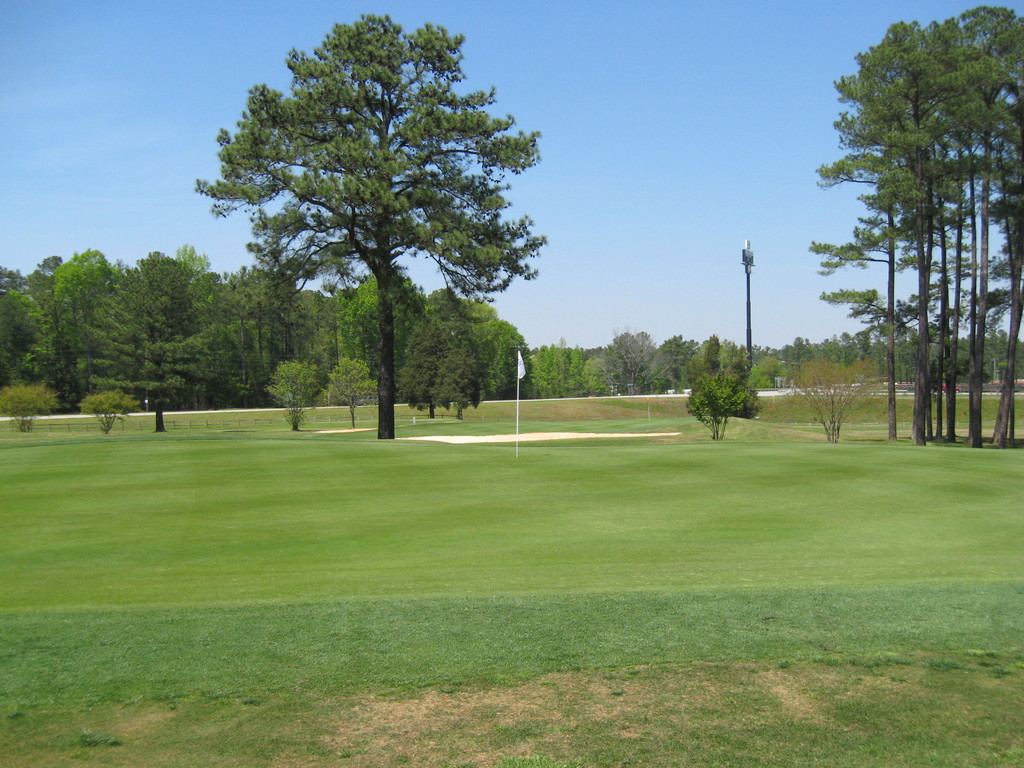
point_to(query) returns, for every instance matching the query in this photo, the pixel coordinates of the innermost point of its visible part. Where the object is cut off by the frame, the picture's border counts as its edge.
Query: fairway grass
(283, 599)
(229, 519)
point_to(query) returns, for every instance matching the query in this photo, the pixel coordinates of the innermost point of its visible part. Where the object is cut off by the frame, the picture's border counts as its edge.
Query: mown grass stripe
(82, 656)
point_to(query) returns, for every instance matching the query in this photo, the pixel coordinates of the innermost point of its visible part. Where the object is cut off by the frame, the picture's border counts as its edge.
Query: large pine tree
(377, 156)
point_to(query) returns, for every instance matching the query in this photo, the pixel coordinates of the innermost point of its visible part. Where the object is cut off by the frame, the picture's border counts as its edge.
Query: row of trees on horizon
(169, 329)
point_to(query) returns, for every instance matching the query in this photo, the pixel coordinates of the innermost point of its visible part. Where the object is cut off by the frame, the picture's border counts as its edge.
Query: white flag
(521, 370)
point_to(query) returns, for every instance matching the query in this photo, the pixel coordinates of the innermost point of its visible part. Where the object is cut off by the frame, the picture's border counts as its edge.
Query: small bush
(108, 407)
(295, 386)
(25, 402)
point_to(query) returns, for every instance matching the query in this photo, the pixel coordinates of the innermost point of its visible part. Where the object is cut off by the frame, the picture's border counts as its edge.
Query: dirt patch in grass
(742, 714)
(565, 715)
(795, 697)
(699, 715)
(482, 727)
(437, 728)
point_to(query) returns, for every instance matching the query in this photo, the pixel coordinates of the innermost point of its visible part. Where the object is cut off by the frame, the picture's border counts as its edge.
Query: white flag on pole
(520, 372)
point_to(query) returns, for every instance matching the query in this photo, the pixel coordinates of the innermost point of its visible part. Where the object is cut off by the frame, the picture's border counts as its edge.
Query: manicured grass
(344, 647)
(215, 598)
(233, 519)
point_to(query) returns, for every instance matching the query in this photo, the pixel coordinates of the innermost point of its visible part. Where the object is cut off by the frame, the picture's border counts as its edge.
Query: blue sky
(671, 132)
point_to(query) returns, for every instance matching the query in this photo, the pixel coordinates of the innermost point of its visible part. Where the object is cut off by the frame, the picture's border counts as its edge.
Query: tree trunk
(954, 341)
(1003, 434)
(244, 367)
(1004, 419)
(890, 319)
(979, 305)
(386, 351)
(158, 407)
(922, 390)
(943, 329)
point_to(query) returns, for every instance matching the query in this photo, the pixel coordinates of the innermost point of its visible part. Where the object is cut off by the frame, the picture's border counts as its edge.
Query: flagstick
(517, 416)
(520, 372)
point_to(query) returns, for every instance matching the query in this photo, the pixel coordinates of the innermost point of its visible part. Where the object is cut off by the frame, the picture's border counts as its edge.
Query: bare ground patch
(565, 715)
(707, 714)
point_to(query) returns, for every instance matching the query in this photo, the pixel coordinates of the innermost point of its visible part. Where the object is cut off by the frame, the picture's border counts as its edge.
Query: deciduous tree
(632, 363)
(17, 329)
(82, 284)
(676, 353)
(108, 407)
(359, 321)
(715, 399)
(443, 365)
(295, 386)
(54, 355)
(562, 371)
(832, 390)
(26, 402)
(875, 242)
(350, 383)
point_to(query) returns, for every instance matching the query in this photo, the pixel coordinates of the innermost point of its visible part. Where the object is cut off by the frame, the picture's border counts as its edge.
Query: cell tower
(748, 266)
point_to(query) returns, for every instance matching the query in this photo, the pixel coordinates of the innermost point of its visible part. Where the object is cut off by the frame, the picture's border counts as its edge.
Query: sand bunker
(533, 437)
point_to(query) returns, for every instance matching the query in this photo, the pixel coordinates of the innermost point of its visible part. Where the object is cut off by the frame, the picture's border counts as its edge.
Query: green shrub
(108, 407)
(295, 386)
(24, 402)
(716, 398)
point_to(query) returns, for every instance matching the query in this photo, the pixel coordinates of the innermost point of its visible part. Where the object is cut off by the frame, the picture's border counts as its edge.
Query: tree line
(178, 335)
(934, 133)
